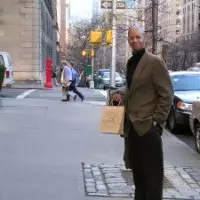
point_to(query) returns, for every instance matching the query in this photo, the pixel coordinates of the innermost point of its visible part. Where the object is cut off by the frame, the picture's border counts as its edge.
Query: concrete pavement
(55, 94)
(53, 150)
(91, 95)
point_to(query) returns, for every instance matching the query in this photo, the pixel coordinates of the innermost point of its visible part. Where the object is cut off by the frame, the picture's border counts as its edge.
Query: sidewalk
(54, 150)
(91, 95)
(182, 174)
(25, 85)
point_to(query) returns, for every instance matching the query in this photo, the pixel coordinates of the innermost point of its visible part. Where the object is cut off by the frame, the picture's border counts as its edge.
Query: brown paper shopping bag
(112, 121)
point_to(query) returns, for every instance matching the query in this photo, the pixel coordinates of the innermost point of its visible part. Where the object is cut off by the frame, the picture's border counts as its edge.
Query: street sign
(107, 4)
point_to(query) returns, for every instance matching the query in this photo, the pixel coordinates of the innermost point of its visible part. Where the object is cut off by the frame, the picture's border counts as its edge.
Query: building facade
(26, 33)
(56, 37)
(191, 17)
(169, 23)
(125, 18)
(62, 7)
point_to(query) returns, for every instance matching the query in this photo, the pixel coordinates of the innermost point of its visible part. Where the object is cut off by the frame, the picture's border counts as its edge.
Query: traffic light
(95, 37)
(108, 37)
(92, 53)
(83, 53)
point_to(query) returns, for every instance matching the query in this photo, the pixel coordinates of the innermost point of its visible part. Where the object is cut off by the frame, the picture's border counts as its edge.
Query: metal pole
(127, 27)
(114, 27)
(154, 25)
(92, 63)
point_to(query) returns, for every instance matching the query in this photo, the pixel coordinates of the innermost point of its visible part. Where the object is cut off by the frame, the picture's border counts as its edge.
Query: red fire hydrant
(49, 69)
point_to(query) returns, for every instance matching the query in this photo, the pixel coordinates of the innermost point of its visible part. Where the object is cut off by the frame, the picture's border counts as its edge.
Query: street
(50, 150)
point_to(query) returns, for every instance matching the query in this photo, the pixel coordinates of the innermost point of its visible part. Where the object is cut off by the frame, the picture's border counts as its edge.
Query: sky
(81, 8)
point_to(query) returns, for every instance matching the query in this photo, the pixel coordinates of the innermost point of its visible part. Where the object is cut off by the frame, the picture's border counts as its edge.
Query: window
(1, 60)
(188, 24)
(192, 21)
(186, 82)
(107, 74)
(178, 21)
(10, 62)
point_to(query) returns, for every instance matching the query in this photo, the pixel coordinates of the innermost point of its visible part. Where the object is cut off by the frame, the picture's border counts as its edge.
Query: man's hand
(116, 100)
(117, 97)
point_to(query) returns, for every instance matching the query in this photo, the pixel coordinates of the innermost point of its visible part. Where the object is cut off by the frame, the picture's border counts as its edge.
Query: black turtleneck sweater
(132, 65)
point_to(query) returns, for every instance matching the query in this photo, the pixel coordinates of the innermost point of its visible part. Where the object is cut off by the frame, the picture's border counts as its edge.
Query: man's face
(135, 40)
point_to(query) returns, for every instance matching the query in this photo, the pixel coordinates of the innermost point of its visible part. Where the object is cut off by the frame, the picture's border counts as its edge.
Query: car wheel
(197, 137)
(171, 122)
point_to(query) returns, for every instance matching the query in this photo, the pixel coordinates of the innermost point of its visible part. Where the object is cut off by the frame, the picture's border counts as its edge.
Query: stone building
(27, 34)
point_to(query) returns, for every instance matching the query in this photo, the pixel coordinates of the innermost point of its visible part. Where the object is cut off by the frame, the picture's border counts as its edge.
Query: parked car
(194, 69)
(2, 73)
(195, 123)
(186, 89)
(102, 79)
(6, 60)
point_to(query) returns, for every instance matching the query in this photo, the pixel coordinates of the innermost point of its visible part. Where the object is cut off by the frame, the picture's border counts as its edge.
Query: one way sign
(107, 4)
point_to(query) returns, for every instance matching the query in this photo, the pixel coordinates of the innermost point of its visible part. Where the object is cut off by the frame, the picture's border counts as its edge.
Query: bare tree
(184, 53)
(79, 40)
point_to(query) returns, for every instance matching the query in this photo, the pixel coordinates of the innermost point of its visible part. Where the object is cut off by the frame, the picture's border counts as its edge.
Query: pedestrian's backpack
(74, 75)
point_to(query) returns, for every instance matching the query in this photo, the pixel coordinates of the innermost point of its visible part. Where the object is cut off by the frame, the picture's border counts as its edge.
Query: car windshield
(186, 82)
(107, 75)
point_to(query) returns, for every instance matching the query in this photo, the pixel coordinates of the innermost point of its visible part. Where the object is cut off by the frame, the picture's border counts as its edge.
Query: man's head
(63, 64)
(136, 38)
(71, 63)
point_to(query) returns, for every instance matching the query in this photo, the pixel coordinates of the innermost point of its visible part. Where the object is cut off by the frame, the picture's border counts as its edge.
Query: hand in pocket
(159, 129)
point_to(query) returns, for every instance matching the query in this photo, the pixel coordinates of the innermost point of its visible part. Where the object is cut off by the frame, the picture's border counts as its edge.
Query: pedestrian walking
(148, 97)
(74, 83)
(66, 79)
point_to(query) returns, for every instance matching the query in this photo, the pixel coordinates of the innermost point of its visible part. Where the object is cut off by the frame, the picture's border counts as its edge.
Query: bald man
(148, 99)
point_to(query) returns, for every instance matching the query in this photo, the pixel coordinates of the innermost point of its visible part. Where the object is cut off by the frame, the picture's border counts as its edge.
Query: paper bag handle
(112, 100)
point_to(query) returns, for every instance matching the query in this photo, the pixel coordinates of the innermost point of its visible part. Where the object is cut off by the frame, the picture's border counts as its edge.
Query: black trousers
(74, 89)
(146, 155)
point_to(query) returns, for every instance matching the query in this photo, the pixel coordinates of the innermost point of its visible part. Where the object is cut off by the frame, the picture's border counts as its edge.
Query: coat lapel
(138, 71)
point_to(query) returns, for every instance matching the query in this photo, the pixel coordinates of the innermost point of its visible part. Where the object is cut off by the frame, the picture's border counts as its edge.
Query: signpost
(107, 4)
(114, 5)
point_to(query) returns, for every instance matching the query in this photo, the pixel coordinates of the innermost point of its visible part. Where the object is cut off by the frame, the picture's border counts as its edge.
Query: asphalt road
(186, 136)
